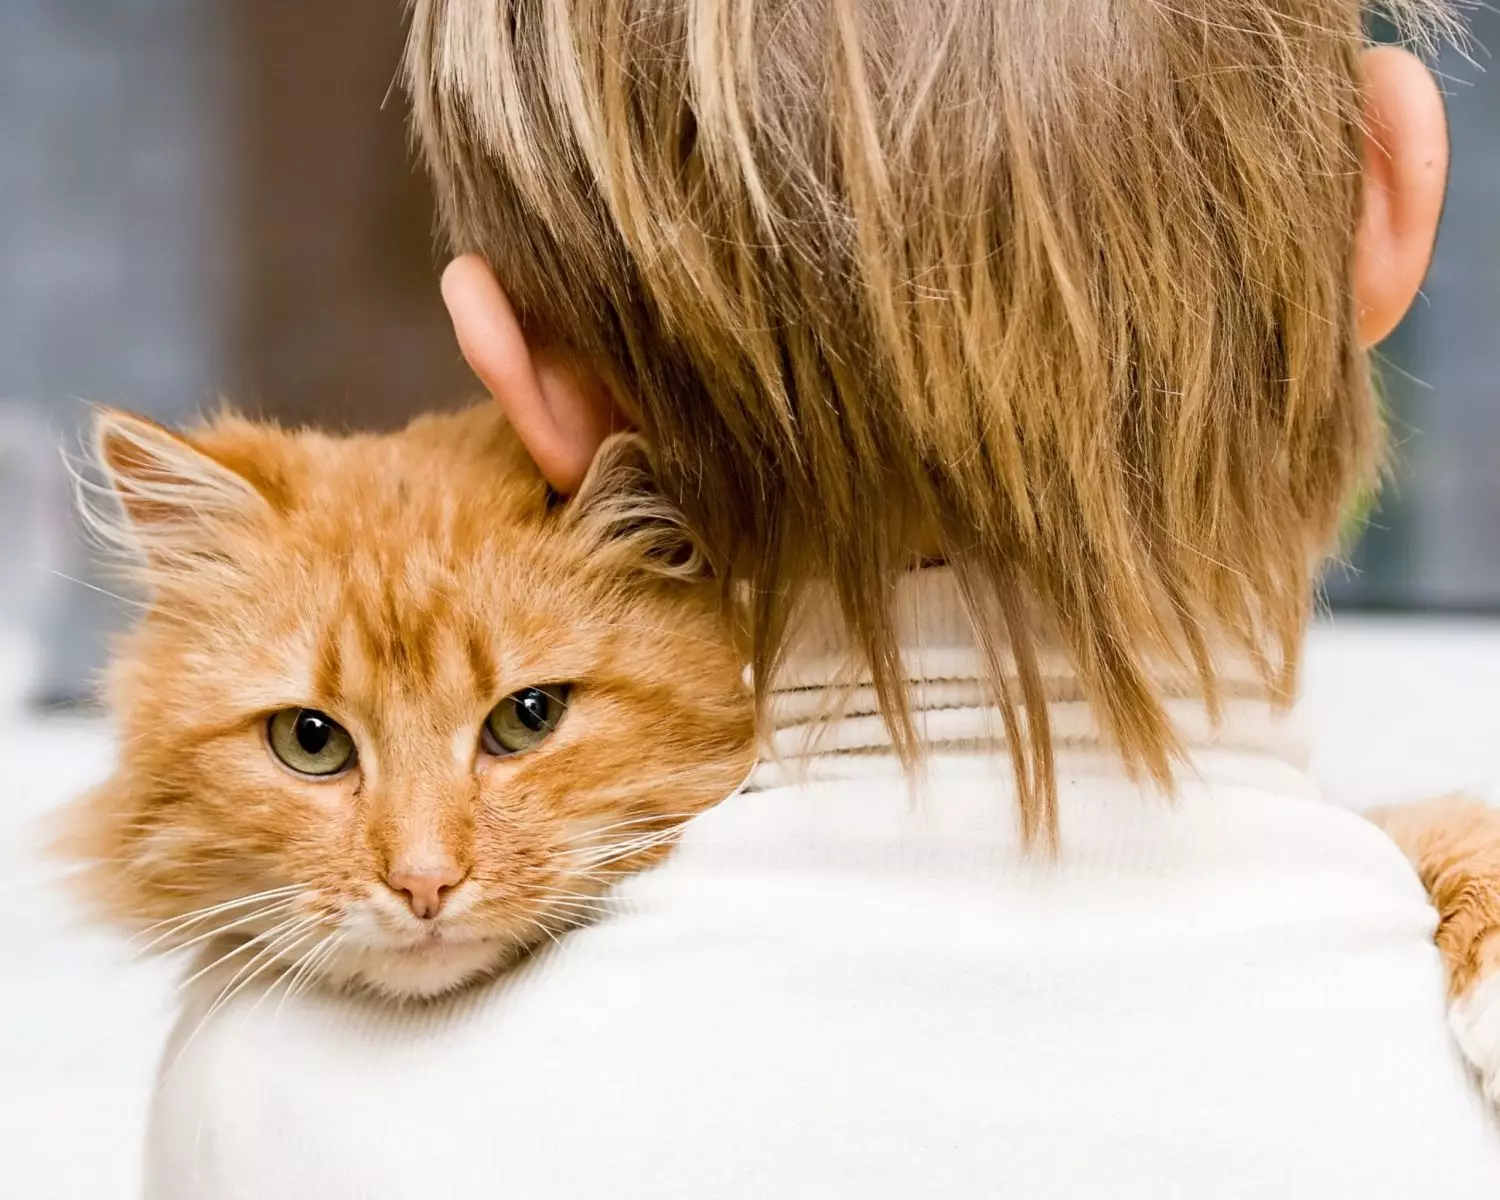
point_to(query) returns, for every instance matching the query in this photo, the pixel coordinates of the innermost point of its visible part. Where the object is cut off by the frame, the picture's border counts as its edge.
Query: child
(1073, 298)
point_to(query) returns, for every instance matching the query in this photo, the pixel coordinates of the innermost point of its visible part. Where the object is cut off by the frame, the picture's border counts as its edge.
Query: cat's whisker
(316, 965)
(553, 895)
(544, 928)
(220, 1000)
(279, 909)
(174, 927)
(621, 857)
(562, 908)
(587, 857)
(268, 956)
(558, 904)
(240, 947)
(631, 838)
(303, 973)
(141, 605)
(209, 910)
(280, 956)
(653, 818)
(270, 912)
(623, 850)
(605, 880)
(566, 893)
(94, 587)
(293, 973)
(572, 919)
(235, 949)
(340, 939)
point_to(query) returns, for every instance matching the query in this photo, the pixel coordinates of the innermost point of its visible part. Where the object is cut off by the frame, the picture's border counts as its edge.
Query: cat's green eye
(310, 742)
(524, 719)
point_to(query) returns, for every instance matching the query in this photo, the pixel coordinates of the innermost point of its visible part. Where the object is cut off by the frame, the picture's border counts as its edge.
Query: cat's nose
(426, 887)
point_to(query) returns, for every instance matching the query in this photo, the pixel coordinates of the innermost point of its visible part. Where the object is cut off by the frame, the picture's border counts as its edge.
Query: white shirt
(836, 988)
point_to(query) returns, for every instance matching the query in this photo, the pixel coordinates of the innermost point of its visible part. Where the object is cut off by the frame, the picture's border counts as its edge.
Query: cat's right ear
(621, 509)
(175, 502)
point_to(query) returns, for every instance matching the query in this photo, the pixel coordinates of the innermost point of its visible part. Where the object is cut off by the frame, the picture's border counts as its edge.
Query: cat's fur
(1454, 844)
(403, 584)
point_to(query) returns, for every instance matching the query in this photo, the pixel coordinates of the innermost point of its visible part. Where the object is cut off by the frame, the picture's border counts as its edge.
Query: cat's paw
(1474, 1017)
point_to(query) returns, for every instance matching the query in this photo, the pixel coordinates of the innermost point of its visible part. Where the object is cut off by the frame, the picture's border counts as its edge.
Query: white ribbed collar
(825, 723)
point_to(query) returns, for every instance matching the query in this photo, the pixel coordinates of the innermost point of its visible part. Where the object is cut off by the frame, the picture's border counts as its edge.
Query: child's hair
(1058, 290)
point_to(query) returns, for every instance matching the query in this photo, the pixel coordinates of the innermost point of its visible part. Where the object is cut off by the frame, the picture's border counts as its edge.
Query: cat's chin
(423, 971)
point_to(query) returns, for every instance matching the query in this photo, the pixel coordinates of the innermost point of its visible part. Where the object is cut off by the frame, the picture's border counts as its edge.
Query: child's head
(1060, 291)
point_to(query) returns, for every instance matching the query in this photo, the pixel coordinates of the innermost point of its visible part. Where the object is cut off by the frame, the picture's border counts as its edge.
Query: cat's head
(392, 713)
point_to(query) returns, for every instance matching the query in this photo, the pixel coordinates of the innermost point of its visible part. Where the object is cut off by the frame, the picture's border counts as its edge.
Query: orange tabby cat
(393, 715)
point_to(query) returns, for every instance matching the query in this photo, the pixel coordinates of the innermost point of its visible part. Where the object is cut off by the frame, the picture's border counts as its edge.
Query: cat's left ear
(176, 500)
(621, 507)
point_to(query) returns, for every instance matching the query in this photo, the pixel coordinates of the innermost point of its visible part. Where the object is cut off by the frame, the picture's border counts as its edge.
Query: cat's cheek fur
(1474, 1017)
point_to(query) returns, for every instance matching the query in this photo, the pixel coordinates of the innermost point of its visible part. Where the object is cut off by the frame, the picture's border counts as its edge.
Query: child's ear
(175, 500)
(561, 411)
(620, 506)
(1405, 176)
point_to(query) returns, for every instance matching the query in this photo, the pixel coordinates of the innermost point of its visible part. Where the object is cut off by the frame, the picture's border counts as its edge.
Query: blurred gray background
(1434, 545)
(198, 198)
(206, 197)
